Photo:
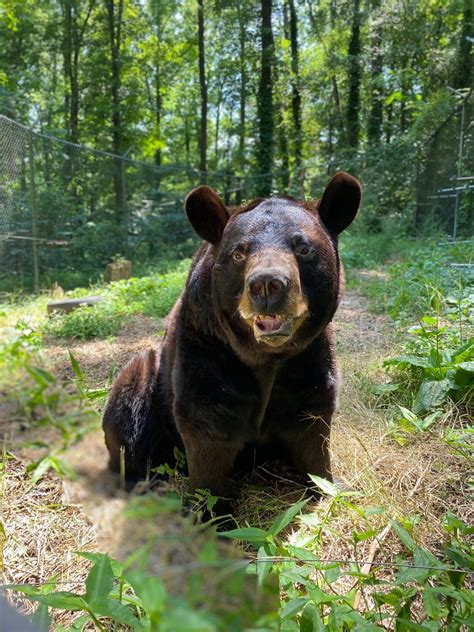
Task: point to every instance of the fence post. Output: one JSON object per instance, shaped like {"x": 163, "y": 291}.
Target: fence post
{"x": 459, "y": 165}
{"x": 125, "y": 214}
{"x": 33, "y": 201}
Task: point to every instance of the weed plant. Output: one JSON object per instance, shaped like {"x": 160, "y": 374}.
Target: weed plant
{"x": 417, "y": 591}
{"x": 152, "y": 295}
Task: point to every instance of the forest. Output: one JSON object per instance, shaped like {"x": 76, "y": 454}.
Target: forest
{"x": 250, "y": 98}
{"x": 111, "y": 112}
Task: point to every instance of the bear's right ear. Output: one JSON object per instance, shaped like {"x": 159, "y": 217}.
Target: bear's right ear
{"x": 206, "y": 213}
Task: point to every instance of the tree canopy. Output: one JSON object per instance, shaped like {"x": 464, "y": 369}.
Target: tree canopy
{"x": 276, "y": 81}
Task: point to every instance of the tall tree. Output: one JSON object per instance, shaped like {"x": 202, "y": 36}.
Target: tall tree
{"x": 203, "y": 90}
{"x": 296, "y": 86}
{"x": 74, "y": 27}
{"x": 464, "y": 60}
{"x": 266, "y": 125}
{"x": 243, "y": 84}
{"x": 374, "y": 125}
{"x": 114, "y": 24}
{"x": 354, "y": 79}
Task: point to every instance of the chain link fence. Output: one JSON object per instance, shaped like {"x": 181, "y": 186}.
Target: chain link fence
{"x": 445, "y": 180}
{"x": 67, "y": 210}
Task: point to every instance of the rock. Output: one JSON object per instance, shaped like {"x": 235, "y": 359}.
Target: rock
{"x": 118, "y": 270}
{"x": 65, "y": 306}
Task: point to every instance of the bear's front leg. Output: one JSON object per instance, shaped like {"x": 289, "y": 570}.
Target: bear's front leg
{"x": 210, "y": 463}
{"x": 308, "y": 446}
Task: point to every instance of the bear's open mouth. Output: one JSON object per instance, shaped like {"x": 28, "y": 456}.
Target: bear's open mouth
{"x": 266, "y": 325}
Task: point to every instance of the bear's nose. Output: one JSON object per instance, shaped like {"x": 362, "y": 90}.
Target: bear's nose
{"x": 267, "y": 284}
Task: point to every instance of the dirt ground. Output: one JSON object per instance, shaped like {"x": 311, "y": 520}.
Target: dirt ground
{"x": 88, "y": 513}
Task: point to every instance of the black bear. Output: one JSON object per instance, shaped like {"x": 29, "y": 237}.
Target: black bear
{"x": 247, "y": 361}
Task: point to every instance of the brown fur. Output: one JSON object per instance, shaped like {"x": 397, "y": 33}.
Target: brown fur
{"x": 247, "y": 363}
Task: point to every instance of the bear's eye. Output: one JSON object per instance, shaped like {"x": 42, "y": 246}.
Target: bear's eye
{"x": 303, "y": 250}
{"x": 238, "y": 256}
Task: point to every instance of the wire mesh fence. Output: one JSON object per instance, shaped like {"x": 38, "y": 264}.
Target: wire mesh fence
{"x": 67, "y": 210}
{"x": 445, "y": 181}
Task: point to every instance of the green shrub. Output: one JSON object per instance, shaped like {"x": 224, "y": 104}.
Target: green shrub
{"x": 438, "y": 362}
{"x": 417, "y": 591}
{"x": 101, "y": 321}
{"x": 153, "y": 295}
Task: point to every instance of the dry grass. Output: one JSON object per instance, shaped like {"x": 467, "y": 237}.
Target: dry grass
{"x": 42, "y": 533}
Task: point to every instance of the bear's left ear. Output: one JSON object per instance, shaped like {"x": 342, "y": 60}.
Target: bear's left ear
{"x": 340, "y": 202}
{"x": 207, "y": 213}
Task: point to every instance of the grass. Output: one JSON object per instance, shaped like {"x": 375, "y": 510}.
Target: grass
{"x": 406, "y": 486}
{"x": 153, "y": 295}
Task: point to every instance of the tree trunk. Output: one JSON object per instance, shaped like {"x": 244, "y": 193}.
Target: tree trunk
{"x": 73, "y": 38}
{"x": 203, "y": 88}
{"x": 158, "y": 111}
{"x": 296, "y": 93}
{"x": 187, "y": 140}
{"x": 463, "y": 73}
{"x": 67, "y": 56}
{"x": 115, "y": 15}
{"x": 374, "y": 127}
{"x": 353, "y": 102}
{"x": 243, "y": 88}
{"x": 218, "y": 117}
{"x": 266, "y": 123}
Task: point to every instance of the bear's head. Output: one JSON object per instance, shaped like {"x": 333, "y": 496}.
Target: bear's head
{"x": 276, "y": 275}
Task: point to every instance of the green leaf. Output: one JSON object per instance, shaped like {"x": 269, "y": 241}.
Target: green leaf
{"x": 149, "y": 589}
{"x": 117, "y": 568}
{"x": 324, "y": 485}
{"x": 320, "y": 597}
{"x": 407, "y": 414}
{"x": 395, "y": 96}
{"x": 295, "y": 575}
{"x": 466, "y": 366}
{"x": 292, "y": 607}
{"x": 404, "y": 536}
{"x": 79, "y": 623}
{"x": 61, "y": 600}
{"x": 183, "y": 619}
{"x": 62, "y": 468}
{"x": 284, "y": 520}
{"x": 75, "y": 367}
{"x": 310, "y": 620}
{"x": 332, "y": 574}
{"x": 116, "y": 611}
{"x": 42, "y": 378}
{"x": 302, "y": 554}
{"x": 431, "y": 603}
{"x": 381, "y": 389}
{"x": 40, "y": 469}
{"x": 42, "y": 618}
{"x": 406, "y": 624}
{"x": 402, "y": 361}
{"x": 264, "y": 566}
{"x": 249, "y": 534}
{"x": 100, "y": 580}
{"x": 431, "y": 394}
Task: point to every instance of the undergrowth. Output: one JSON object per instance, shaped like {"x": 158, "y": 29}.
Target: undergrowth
{"x": 286, "y": 575}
